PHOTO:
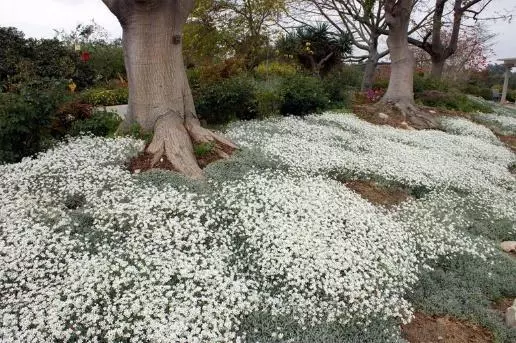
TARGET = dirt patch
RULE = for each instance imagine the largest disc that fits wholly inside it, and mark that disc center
(510, 141)
(433, 329)
(370, 113)
(143, 162)
(379, 195)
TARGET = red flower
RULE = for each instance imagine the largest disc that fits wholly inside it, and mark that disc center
(85, 56)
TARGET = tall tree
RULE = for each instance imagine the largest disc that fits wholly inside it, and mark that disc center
(364, 19)
(435, 41)
(160, 99)
(400, 90)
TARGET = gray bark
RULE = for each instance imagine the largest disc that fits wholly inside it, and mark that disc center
(160, 99)
(400, 90)
(437, 67)
(369, 74)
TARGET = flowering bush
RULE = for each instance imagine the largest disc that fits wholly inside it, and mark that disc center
(91, 253)
(106, 97)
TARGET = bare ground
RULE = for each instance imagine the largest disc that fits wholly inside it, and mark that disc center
(433, 329)
(379, 195)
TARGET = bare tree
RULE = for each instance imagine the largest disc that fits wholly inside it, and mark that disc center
(365, 20)
(432, 40)
(160, 99)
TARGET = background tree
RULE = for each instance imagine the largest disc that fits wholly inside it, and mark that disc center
(316, 48)
(473, 49)
(434, 40)
(364, 19)
(251, 22)
(160, 99)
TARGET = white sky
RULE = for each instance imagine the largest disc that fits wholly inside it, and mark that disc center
(38, 18)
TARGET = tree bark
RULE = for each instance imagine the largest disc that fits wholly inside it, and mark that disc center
(160, 99)
(368, 78)
(400, 90)
(437, 67)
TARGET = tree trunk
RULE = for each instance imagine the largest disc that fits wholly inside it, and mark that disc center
(400, 90)
(437, 67)
(160, 99)
(369, 72)
(371, 63)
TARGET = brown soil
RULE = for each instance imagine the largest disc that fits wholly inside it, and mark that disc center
(142, 162)
(378, 195)
(369, 113)
(433, 329)
(510, 141)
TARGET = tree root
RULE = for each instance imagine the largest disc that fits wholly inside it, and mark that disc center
(414, 116)
(174, 139)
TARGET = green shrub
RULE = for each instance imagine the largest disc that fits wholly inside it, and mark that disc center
(107, 60)
(136, 131)
(268, 97)
(101, 123)
(228, 100)
(27, 117)
(275, 69)
(483, 92)
(106, 97)
(381, 83)
(339, 86)
(451, 101)
(303, 95)
(422, 84)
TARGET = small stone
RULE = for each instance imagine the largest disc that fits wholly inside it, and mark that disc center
(432, 111)
(137, 171)
(510, 316)
(406, 126)
(508, 246)
(383, 116)
(440, 338)
(161, 159)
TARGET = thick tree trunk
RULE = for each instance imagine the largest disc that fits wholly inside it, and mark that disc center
(400, 92)
(160, 99)
(401, 82)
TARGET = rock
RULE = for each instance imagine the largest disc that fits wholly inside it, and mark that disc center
(510, 316)
(406, 126)
(121, 110)
(508, 246)
(137, 171)
(432, 111)
(383, 116)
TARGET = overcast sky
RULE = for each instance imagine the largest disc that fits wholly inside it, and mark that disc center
(39, 18)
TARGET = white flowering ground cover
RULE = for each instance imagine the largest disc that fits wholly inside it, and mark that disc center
(272, 247)
(503, 118)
